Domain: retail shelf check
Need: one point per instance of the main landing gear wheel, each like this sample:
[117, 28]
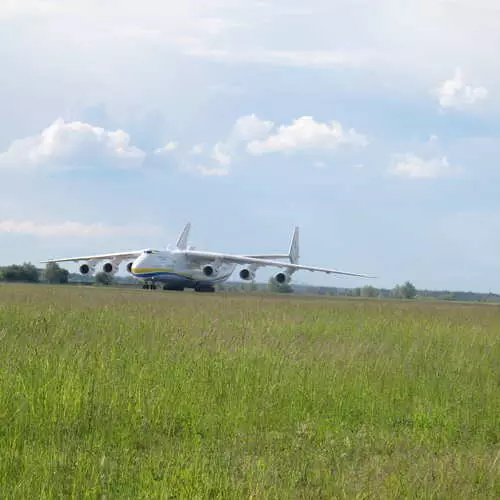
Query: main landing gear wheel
[173, 288]
[204, 288]
[149, 286]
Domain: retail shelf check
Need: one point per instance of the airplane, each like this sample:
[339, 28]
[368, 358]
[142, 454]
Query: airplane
[185, 267]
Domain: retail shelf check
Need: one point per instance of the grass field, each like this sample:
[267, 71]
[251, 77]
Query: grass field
[132, 394]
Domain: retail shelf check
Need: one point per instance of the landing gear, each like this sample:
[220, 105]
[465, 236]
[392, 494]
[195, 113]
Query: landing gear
[173, 288]
[204, 288]
[149, 286]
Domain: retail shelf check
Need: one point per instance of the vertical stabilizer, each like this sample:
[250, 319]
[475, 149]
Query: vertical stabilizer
[294, 254]
[183, 237]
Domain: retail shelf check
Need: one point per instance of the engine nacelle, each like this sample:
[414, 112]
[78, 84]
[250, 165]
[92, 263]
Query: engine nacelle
[129, 267]
[208, 270]
[84, 269]
[282, 278]
[109, 268]
[247, 274]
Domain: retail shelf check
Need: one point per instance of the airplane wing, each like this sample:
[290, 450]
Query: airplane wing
[104, 256]
[202, 257]
[269, 256]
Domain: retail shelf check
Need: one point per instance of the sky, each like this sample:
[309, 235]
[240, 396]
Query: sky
[374, 125]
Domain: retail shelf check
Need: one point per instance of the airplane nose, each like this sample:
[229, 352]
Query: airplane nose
[135, 265]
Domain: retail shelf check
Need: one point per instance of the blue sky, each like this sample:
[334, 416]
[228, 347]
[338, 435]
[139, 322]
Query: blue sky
[371, 124]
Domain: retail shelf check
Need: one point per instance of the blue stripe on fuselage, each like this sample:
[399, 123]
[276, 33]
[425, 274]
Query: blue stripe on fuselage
[166, 276]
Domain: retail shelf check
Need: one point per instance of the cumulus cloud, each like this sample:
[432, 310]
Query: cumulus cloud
[73, 145]
[455, 93]
[414, 167]
[222, 154]
[168, 148]
[305, 134]
[72, 229]
[253, 135]
[250, 127]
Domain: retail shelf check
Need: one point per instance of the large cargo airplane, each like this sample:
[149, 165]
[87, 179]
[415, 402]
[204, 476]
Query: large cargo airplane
[185, 267]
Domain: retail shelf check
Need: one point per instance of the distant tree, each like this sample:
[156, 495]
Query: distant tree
[276, 287]
[405, 291]
[26, 272]
[103, 278]
[53, 273]
[369, 291]
[409, 290]
[448, 296]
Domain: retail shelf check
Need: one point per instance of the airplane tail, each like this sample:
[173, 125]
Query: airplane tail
[182, 241]
[294, 254]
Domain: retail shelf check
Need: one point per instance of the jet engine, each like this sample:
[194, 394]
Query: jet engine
[109, 268]
[247, 274]
[282, 278]
[209, 270]
[129, 267]
[84, 269]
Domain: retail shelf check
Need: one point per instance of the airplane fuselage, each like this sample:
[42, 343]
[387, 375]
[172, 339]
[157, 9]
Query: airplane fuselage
[172, 268]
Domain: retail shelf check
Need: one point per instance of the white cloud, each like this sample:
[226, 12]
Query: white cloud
[306, 134]
[85, 39]
[455, 93]
[169, 147]
[252, 135]
[73, 145]
[72, 229]
[334, 35]
[221, 154]
[251, 127]
[245, 129]
[415, 167]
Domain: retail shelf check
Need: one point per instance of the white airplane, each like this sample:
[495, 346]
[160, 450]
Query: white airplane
[185, 267]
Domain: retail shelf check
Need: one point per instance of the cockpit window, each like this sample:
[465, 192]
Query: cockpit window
[148, 251]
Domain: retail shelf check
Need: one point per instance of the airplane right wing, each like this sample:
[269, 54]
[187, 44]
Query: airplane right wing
[269, 256]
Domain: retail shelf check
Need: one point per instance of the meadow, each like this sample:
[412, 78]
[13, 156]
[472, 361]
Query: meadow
[111, 393]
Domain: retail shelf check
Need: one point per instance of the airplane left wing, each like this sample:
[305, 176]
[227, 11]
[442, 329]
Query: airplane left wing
[202, 257]
[117, 255]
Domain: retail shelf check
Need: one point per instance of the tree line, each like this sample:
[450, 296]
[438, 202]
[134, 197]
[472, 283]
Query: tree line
[54, 274]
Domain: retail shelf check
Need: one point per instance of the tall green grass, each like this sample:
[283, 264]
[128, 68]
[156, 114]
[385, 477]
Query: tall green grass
[112, 394]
